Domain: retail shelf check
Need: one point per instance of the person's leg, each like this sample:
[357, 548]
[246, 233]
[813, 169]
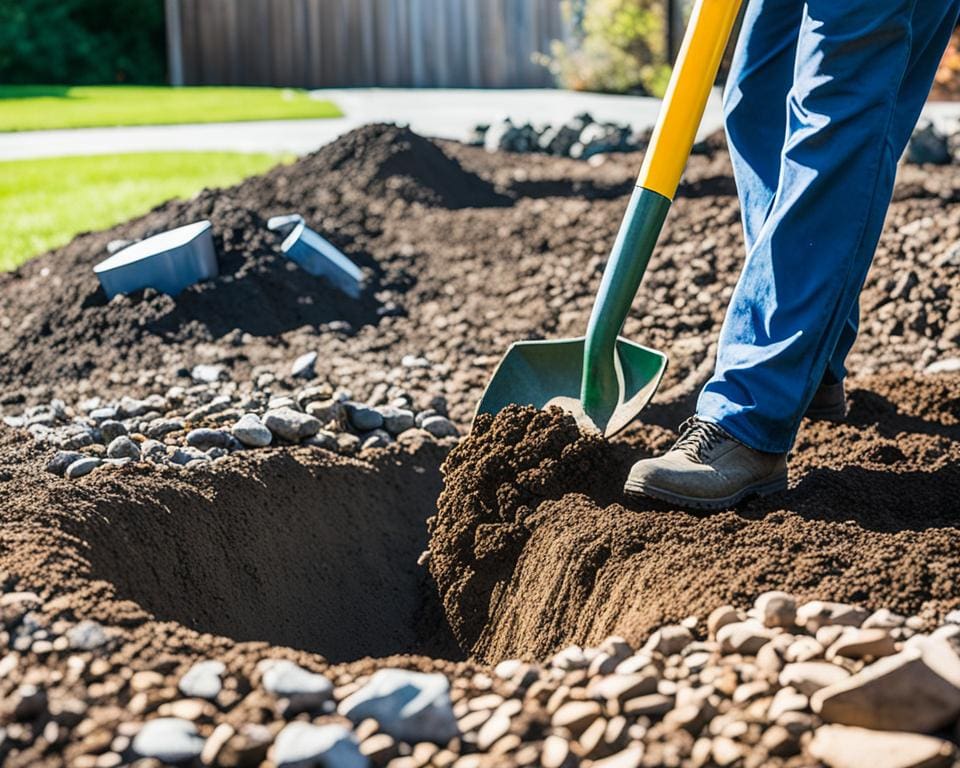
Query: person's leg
[754, 104]
[802, 276]
[930, 37]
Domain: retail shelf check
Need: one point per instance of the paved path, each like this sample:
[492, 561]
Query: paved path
[431, 112]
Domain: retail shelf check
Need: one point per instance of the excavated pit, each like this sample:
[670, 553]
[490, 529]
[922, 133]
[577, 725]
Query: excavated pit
[293, 548]
[533, 546]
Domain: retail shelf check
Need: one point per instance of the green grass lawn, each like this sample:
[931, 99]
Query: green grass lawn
[44, 203]
[37, 107]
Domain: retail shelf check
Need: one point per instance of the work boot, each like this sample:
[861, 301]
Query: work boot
[829, 403]
[707, 469]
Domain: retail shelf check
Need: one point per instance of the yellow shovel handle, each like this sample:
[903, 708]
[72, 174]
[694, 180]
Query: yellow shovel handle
[693, 77]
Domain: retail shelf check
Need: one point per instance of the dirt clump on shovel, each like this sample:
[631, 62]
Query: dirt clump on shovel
[533, 546]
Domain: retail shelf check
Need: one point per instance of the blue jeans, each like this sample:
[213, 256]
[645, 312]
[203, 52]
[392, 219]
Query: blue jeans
[821, 101]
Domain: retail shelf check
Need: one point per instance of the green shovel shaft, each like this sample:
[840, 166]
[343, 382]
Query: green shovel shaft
[694, 73]
[631, 253]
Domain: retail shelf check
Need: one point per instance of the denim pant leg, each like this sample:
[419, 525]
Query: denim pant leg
[931, 33]
[802, 276]
[754, 104]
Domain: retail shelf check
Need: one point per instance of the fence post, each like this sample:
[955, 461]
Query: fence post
[174, 42]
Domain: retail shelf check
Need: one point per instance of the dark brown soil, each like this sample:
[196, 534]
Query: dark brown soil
[295, 547]
[467, 252]
[455, 284]
[533, 546]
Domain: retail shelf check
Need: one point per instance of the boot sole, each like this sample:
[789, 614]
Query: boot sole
[763, 488]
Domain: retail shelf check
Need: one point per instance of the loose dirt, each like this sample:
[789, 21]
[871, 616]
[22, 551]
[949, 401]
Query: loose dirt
[532, 546]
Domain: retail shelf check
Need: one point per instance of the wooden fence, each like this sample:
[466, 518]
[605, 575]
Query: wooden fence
[340, 43]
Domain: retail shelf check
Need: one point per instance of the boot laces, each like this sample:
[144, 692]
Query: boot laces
[698, 437]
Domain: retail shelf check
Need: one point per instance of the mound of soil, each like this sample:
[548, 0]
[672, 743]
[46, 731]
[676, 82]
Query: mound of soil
[455, 285]
[533, 546]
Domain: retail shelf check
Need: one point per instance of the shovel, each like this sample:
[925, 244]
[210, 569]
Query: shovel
[602, 378]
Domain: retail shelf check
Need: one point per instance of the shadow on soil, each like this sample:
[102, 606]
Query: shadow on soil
[301, 551]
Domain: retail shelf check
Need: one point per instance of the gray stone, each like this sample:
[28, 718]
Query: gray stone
[304, 366]
[288, 680]
[327, 411]
[111, 429]
[928, 145]
[304, 745]
[106, 413]
[818, 613]
[668, 640]
[123, 448]
[82, 467]
[379, 438]
[424, 415]
[348, 444]
[947, 365]
[86, 636]
[323, 439]
[397, 420]
[252, 432]
[917, 689]
[202, 680]
[170, 739]
[73, 438]
[63, 459]
[161, 427]
[207, 374]
[187, 454]
[363, 418]
[776, 609]
[205, 438]
[313, 394]
[410, 706]
[439, 426]
[131, 407]
[291, 425]
[153, 450]
[839, 746]
[217, 405]
[808, 677]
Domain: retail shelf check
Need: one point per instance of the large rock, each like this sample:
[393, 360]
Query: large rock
[304, 745]
[410, 706]
[839, 746]
[916, 690]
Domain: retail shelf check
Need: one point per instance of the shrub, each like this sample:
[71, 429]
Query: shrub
[81, 41]
[618, 46]
[947, 83]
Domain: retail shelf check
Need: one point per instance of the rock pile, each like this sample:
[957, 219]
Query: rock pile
[583, 137]
[579, 138]
[187, 426]
[779, 684]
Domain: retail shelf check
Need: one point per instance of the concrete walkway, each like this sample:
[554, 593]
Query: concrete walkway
[431, 112]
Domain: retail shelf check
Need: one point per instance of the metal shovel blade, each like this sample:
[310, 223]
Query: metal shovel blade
[543, 373]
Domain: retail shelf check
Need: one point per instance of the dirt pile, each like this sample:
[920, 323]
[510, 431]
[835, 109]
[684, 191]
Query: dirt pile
[533, 548]
[454, 286]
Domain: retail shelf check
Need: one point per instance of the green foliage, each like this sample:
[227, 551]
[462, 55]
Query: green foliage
[34, 107]
[82, 41]
[619, 47]
[45, 202]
